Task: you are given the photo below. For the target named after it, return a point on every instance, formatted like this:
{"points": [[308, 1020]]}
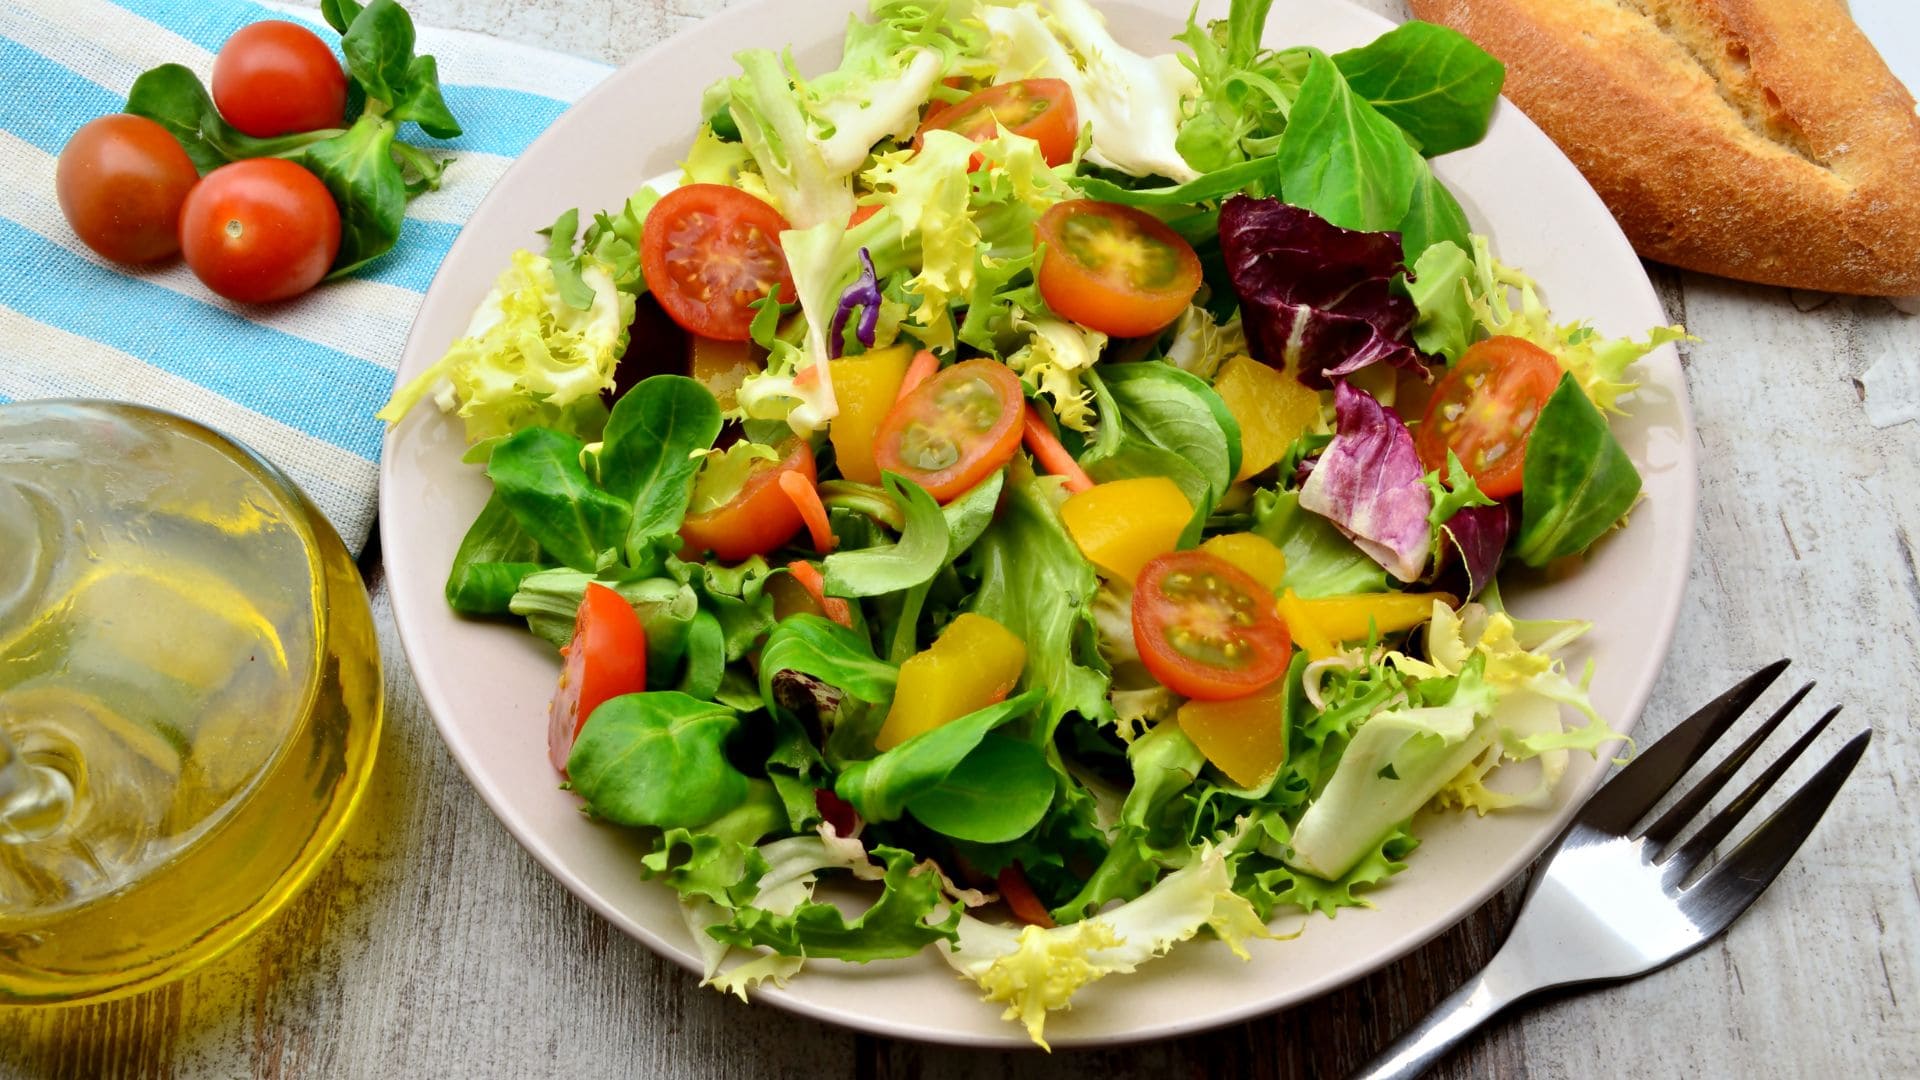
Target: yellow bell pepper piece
{"points": [[1271, 407], [1255, 554], [1320, 626], [974, 663], [865, 386], [721, 366], [1122, 524], [1246, 737]]}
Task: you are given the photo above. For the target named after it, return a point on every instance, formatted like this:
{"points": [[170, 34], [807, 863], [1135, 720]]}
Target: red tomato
{"points": [[1206, 629], [260, 230], [607, 658], [955, 429], [756, 520], [121, 180], [708, 251], [276, 78], [1484, 409], [1039, 109], [1113, 268], [861, 214]]}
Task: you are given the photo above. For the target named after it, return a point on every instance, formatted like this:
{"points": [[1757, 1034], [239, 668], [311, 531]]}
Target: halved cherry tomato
{"points": [[1039, 109], [1205, 628], [607, 658], [756, 520], [708, 251], [274, 78], [1113, 268], [1484, 409], [955, 429]]}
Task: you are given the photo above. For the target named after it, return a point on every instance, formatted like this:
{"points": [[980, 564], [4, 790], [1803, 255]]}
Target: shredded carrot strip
{"points": [[1048, 451], [1020, 898], [806, 499], [920, 370], [808, 575]]}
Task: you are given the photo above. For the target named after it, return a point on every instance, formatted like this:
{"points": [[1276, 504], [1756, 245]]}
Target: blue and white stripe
{"points": [[298, 381]]}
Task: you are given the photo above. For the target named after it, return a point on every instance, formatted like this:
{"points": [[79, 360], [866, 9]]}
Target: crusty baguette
{"points": [[1757, 139]]}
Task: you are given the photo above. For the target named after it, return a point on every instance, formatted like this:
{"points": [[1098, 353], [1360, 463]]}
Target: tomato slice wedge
{"points": [[607, 658], [955, 429], [1484, 410], [1039, 109], [1113, 268], [756, 519], [1206, 629], [708, 251]]}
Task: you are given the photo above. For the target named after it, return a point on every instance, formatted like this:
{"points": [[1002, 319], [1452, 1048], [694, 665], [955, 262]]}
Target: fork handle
{"points": [[1480, 999]]}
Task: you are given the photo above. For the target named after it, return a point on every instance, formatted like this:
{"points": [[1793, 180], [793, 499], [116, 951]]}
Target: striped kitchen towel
{"points": [[298, 381]]}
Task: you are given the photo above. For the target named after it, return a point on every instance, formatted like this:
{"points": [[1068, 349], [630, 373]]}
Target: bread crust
{"points": [[1757, 139]]}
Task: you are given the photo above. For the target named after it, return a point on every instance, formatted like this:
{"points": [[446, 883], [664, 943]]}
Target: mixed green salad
{"points": [[1058, 489]]}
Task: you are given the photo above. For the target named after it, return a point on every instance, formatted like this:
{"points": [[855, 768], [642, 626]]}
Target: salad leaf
{"points": [[1438, 287], [716, 859], [528, 358], [706, 656], [1180, 413], [1433, 217], [1396, 761], [825, 650], [1245, 91], [549, 600], [1317, 300], [1321, 560], [1369, 484], [648, 457], [1255, 176], [1477, 537], [537, 475], [1035, 582], [1200, 345], [1342, 159], [1431, 81], [494, 557], [1133, 103], [896, 925], [918, 555], [881, 787], [1055, 361], [997, 793], [1037, 970], [969, 515], [657, 759], [1578, 481]]}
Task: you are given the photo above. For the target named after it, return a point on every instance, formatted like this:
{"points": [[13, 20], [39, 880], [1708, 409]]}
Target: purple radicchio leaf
{"points": [[1370, 483], [864, 294], [1316, 299], [1476, 537]]}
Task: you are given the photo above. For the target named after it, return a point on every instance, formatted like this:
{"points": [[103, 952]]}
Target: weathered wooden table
{"points": [[433, 946]]}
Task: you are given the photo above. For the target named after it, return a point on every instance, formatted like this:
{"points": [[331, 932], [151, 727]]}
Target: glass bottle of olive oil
{"points": [[190, 697]]}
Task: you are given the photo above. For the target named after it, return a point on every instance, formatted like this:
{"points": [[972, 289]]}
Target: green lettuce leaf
{"points": [[657, 759]]}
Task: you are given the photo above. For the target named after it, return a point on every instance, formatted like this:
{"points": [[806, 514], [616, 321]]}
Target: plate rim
{"points": [[1013, 1037]]}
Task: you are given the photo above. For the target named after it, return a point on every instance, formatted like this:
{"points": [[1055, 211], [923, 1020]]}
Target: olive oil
{"points": [[190, 697]]}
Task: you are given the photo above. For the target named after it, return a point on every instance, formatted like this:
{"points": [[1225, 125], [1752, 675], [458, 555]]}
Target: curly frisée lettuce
{"points": [[542, 346], [1036, 969]]}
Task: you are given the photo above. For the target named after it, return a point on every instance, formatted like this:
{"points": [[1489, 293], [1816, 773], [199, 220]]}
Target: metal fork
{"points": [[1609, 904]]}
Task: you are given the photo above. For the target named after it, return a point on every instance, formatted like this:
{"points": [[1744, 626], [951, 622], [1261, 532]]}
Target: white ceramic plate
{"points": [[487, 685]]}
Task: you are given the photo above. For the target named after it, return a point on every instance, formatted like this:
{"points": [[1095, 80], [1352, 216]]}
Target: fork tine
{"points": [[1736, 881], [1688, 806], [1701, 843], [1624, 799]]}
